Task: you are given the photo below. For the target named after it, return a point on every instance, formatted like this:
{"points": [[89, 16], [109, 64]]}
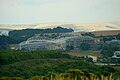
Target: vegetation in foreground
{"points": [[72, 74], [50, 65]]}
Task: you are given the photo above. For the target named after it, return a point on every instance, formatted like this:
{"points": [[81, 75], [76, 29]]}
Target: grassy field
{"points": [[84, 53], [13, 46]]}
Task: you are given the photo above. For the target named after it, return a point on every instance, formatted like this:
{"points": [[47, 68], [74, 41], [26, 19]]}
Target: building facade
{"points": [[116, 54], [58, 43]]}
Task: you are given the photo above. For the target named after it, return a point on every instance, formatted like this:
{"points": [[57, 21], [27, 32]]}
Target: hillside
{"points": [[84, 53], [82, 26], [77, 26], [116, 23], [16, 27], [27, 64], [103, 33]]}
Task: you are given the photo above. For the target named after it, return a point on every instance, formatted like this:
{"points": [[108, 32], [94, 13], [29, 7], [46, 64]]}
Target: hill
{"points": [[77, 26], [103, 33], [82, 27], [27, 64], [116, 23]]}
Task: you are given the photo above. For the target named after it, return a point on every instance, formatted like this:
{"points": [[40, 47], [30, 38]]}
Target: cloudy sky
{"points": [[41, 11]]}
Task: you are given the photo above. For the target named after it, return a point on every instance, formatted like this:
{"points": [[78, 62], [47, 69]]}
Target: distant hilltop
{"points": [[77, 26]]}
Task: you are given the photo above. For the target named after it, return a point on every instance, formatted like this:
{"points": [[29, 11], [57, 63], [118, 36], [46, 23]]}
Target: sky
{"points": [[43, 11]]}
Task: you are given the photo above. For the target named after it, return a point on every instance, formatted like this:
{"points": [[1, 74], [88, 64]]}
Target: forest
{"points": [[50, 65]]}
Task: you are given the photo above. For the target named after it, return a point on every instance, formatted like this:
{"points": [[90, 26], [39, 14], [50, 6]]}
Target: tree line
{"points": [[25, 32]]}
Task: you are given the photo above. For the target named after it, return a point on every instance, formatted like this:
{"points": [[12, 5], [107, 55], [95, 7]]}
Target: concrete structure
{"points": [[116, 54], [4, 32], [75, 41], [113, 41], [96, 46], [93, 57], [59, 43]]}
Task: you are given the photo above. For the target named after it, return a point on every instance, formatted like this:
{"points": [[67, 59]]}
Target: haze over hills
{"points": [[77, 26], [84, 27]]}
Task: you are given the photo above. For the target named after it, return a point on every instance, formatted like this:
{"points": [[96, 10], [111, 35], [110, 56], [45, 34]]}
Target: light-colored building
{"points": [[75, 41], [116, 54], [59, 43], [93, 57], [4, 32], [113, 41]]}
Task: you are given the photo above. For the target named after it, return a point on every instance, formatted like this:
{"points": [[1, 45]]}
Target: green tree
{"points": [[107, 53], [106, 38], [84, 46], [118, 36], [69, 47]]}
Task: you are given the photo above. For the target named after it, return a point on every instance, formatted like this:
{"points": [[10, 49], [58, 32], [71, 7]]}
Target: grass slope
{"points": [[83, 53]]}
